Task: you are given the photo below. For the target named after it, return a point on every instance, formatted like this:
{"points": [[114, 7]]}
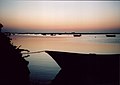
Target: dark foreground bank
{"points": [[13, 67]]}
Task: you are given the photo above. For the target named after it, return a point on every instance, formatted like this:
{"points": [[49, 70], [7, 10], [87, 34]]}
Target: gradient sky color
{"points": [[60, 15]]}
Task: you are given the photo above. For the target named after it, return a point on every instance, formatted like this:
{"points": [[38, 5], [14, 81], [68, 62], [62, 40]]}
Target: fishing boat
{"points": [[100, 67], [110, 35], [77, 35], [69, 60]]}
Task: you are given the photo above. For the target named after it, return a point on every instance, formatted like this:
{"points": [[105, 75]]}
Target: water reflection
{"points": [[85, 44], [43, 68]]}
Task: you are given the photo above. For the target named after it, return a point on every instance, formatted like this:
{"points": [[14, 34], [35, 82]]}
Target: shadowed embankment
{"points": [[13, 67]]}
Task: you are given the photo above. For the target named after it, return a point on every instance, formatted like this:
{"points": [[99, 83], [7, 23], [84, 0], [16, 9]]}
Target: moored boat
{"points": [[67, 59], [102, 68], [77, 35], [110, 35]]}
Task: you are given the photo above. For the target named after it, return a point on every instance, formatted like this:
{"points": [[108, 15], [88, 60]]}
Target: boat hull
{"points": [[110, 35], [100, 68], [73, 60]]}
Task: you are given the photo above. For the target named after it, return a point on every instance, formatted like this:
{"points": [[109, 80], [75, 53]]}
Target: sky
{"points": [[60, 16]]}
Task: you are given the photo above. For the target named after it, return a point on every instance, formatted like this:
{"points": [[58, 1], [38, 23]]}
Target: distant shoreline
{"points": [[57, 33]]}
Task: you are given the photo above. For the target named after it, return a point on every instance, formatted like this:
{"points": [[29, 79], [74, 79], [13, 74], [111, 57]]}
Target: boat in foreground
{"points": [[98, 68], [72, 60]]}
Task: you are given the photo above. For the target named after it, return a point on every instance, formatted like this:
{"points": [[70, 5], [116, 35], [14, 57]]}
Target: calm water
{"points": [[43, 68]]}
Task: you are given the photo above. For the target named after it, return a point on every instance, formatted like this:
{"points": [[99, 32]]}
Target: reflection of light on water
{"points": [[44, 68]]}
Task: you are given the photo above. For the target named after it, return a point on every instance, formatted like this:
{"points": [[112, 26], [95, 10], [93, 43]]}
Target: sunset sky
{"points": [[48, 16]]}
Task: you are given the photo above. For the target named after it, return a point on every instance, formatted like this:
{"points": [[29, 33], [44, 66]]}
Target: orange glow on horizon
{"points": [[63, 25], [51, 15]]}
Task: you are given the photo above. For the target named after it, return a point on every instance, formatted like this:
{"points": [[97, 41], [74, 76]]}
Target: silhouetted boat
{"points": [[101, 68], [110, 35], [67, 59], [77, 35]]}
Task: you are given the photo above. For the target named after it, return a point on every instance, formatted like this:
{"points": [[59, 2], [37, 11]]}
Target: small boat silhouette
{"points": [[110, 35], [77, 35]]}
